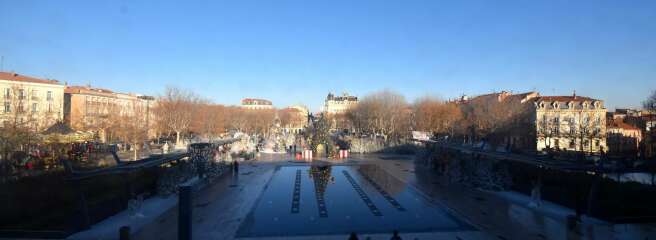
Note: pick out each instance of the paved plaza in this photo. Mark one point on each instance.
(277, 198)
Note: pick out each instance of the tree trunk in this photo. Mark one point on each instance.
(177, 138)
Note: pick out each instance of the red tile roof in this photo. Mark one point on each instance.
(622, 125)
(88, 90)
(75, 89)
(21, 78)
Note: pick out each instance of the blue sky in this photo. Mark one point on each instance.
(296, 51)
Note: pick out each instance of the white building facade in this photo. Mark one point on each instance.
(570, 123)
(30, 102)
(339, 104)
(256, 104)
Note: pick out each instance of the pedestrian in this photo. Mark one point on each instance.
(235, 166)
(353, 236)
(395, 235)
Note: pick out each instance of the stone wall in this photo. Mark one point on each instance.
(373, 145)
(473, 170)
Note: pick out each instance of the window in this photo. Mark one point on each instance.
(34, 107)
(20, 108)
(49, 96)
(7, 107)
(7, 93)
(21, 94)
(49, 107)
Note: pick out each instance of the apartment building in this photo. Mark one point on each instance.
(30, 102)
(96, 109)
(339, 104)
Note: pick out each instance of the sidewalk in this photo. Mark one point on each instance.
(218, 209)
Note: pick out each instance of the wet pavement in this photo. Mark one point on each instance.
(366, 194)
(337, 199)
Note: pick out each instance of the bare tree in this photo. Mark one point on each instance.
(494, 117)
(175, 109)
(19, 126)
(209, 120)
(132, 126)
(650, 103)
(262, 120)
(385, 113)
(237, 119)
(436, 116)
(291, 118)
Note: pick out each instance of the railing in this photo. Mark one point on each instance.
(198, 154)
(88, 196)
(124, 166)
(534, 160)
(196, 150)
(570, 183)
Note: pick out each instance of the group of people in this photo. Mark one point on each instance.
(78, 151)
(44, 156)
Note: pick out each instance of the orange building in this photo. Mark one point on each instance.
(95, 109)
(622, 138)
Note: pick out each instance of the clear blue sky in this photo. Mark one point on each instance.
(295, 51)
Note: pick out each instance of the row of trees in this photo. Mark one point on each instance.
(383, 113)
(388, 114)
(493, 117)
(181, 112)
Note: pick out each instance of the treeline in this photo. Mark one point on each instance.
(387, 114)
(181, 113)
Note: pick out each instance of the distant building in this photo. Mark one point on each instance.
(623, 138)
(95, 109)
(503, 96)
(650, 122)
(646, 122)
(32, 102)
(256, 104)
(573, 123)
(649, 144)
(294, 118)
(339, 104)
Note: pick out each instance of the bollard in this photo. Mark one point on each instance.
(124, 233)
(184, 213)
